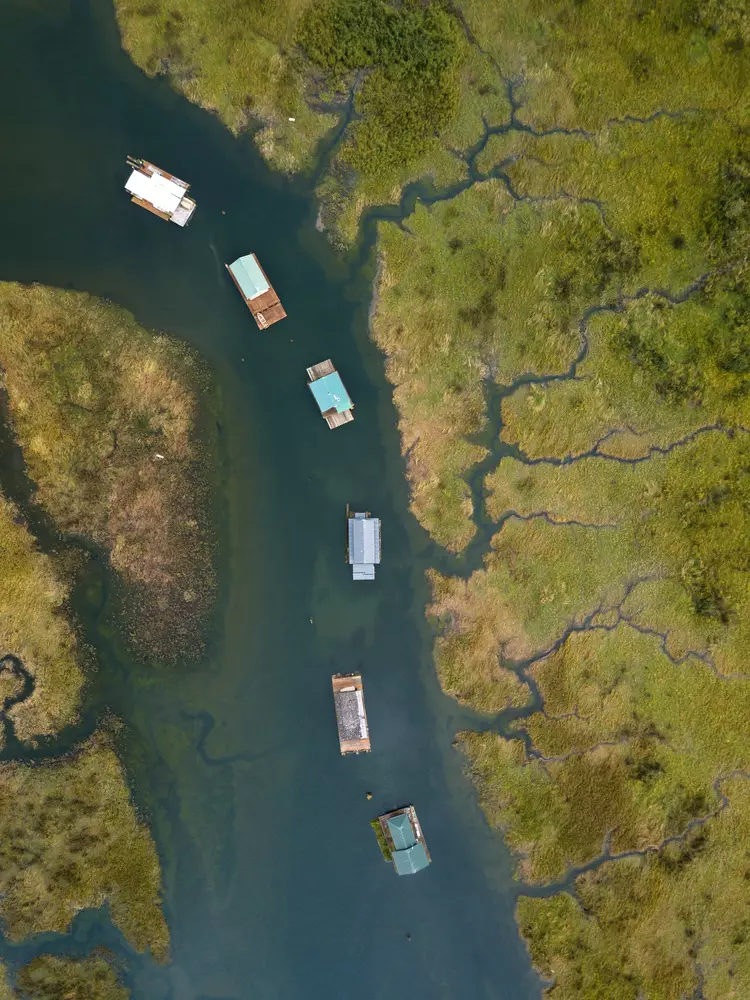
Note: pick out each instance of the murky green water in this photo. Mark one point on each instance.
(275, 888)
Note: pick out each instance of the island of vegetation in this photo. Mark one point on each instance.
(565, 314)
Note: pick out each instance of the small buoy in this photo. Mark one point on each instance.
(242, 359)
(292, 119)
(369, 796)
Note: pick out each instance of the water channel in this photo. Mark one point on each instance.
(274, 885)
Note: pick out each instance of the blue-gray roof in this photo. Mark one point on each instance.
(249, 276)
(411, 860)
(330, 393)
(401, 831)
(364, 540)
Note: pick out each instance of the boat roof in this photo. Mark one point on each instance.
(161, 192)
(330, 393)
(412, 859)
(402, 831)
(249, 276)
(364, 540)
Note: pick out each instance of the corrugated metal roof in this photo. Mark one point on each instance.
(364, 540)
(411, 860)
(330, 393)
(249, 277)
(159, 191)
(402, 831)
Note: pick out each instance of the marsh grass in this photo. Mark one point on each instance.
(658, 926)
(70, 839)
(477, 289)
(49, 977)
(106, 415)
(582, 64)
(34, 628)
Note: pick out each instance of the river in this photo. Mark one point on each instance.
(274, 884)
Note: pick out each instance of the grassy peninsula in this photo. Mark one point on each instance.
(106, 415)
(71, 839)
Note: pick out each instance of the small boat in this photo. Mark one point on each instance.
(159, 192)
(330, 395)
(255, 288)
(402, 841)
(351, 718)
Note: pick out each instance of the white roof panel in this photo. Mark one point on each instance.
(164, 194)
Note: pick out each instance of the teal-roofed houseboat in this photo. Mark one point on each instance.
(330, 395)
(255, 288)
(402, 841)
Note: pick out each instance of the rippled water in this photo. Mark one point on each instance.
(274, 883)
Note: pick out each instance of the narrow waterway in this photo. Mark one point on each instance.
(274, 885)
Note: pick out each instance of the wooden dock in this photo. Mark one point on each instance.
(351, 718)
(321, 369)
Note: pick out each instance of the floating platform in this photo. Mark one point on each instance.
(159, 192)
(362, 544)
(402, 841)
(348, 698)
(257, 291)
(330, 394)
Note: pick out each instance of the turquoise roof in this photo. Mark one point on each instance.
(401, 831)
(249, 276)
(412, 860)
(330, 393)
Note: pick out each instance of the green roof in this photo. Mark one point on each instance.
(248, 275)
(401, 831)
(330, 393)
(411, 860)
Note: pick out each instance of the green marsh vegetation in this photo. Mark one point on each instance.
(70, 839)
(48, 977)
(107, 416)
(581, 64)
(35, 629)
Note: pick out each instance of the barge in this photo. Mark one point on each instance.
(362, 544)
(351, 718)
(330, 395)
(159, 192)
(257, 291)
(402, 841)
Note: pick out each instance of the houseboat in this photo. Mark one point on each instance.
(159, 192)
(402, 841)
(348, 699)
(330, 395)
(256, 290)
(363, 544)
